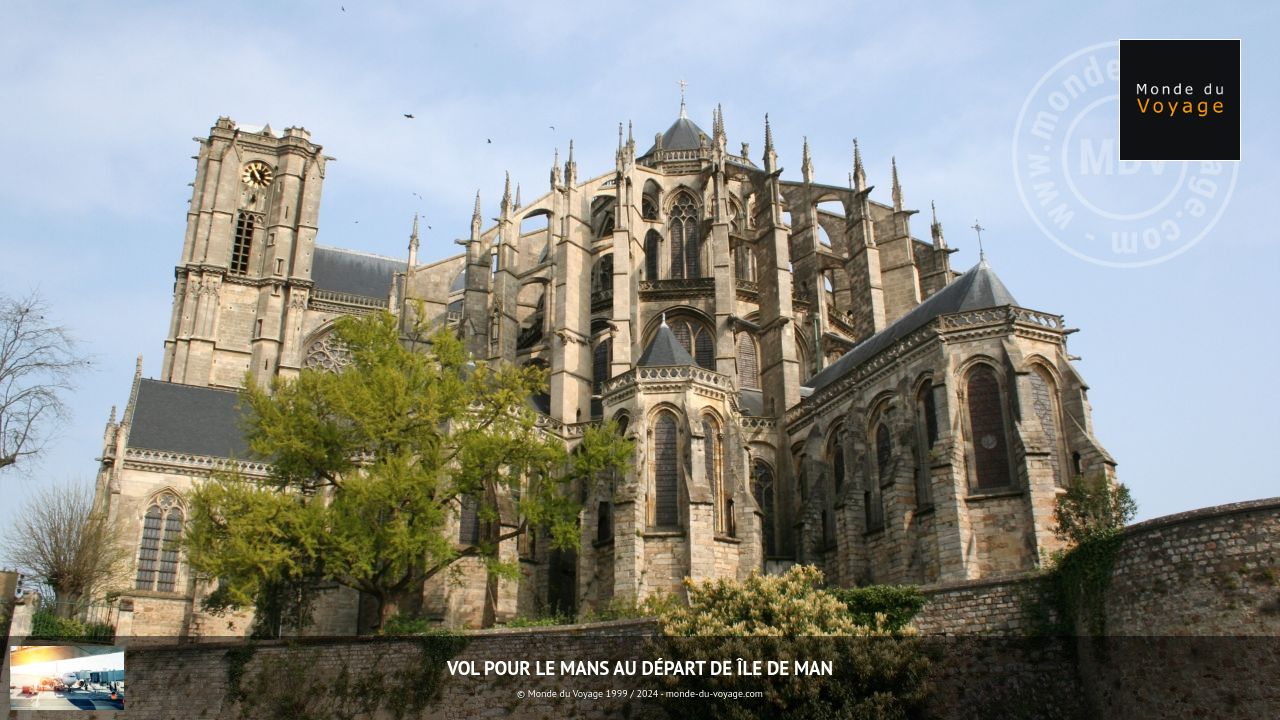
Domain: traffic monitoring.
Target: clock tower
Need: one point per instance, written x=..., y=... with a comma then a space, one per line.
x=244, y=278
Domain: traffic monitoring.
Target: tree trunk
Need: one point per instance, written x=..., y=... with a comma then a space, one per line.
x=407, y=603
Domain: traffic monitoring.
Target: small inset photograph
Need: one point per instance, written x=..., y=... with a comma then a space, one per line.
x=66, y=677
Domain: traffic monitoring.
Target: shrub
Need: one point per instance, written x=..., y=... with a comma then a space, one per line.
x=1092, y=508
x=1089, y=517
x=45, y=625
x=888, y=607
x=789, y=617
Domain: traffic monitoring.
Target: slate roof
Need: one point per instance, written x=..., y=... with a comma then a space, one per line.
x=357, y=273
x=665, y=349
x=751, y=402
x=682, y=135
x=979, y=288
x=187, y=419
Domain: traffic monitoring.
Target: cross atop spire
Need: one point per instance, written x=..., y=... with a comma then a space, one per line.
x=683, y=113
x=977, y=227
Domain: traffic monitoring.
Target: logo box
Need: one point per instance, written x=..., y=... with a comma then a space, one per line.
x=1180, y=99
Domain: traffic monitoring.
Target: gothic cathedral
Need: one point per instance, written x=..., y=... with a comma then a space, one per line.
x=805, y=380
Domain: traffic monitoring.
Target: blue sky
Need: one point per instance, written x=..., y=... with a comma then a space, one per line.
x=102, y=101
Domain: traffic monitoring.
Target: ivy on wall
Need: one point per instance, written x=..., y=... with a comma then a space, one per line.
x=289, y=687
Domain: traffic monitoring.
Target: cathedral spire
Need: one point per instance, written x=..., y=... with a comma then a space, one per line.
x=506, y=196
x=517, y=202
x=936, y=228
x=684, y=115
x=555, y=170
x=859, y=175
x=413, y=242
x=897, y=187
x=571, y=168
x=806, y=163
x=475, y=219
x=770, y=156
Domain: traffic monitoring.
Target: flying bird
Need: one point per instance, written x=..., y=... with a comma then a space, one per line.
x=409, y=115
x=342, y=8
x=553, y=127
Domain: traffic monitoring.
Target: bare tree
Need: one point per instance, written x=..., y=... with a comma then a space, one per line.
x=38, y=360
x=61, y=540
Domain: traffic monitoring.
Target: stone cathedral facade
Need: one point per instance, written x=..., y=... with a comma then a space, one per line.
x=806, y=381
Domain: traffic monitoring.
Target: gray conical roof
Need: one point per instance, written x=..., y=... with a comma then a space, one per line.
x=683, y=134
x=665, y=349
x=977, y=289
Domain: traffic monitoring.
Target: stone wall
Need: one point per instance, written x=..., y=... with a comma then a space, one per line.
x=1192, y=614
x=1213, y=571
x=322, y=678
x=979, y=607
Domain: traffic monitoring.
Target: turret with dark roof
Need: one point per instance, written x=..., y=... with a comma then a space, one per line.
x=665, y=349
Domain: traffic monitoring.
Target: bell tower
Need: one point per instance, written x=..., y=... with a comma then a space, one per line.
x=244, y=278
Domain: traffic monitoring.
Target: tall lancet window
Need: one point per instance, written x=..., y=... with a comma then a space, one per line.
x=748, y=363
x=987, y=435
x=665, y=509
x=158, y=551
x=651, y=241
x=242, y=244
x=762, y=489
x=686, y=246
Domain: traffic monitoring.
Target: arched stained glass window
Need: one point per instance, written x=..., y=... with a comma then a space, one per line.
x=762, y=489
x=696, y=339
x=651, y=242
x=158, y=550
x=987, y=429
x=686, y=246
x=926, y=436
x=666, y=471
x=469, y=521
x=748, y=362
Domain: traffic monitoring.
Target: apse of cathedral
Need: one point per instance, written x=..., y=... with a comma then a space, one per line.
x=805, y=380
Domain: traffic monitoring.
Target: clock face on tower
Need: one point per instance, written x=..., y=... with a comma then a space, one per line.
x=256, y=174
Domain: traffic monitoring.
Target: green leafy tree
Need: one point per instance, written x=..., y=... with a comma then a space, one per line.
x=1094, y=507
x=369, y=465
x=876, y=673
